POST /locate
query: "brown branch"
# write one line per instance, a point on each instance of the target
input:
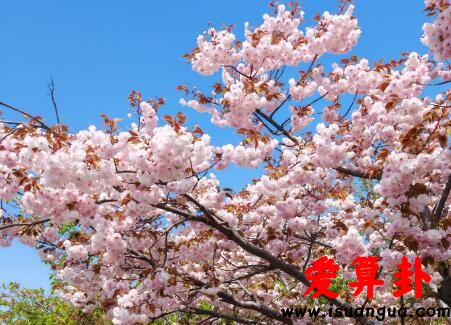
(168, 208)
(51, 86)
(444, 291)
(12, 122)
(309, 254)
(31, 117)
(198, 311)
(14, 129)
(435, 84)
(205, 210)
(356, 173)
(350, 106)
(309, 240)
(267, 126)
(298, 83)
(274, 261)
(142, 257)
(228, 298)
(166, 240)
(215, 314)
(438, 210)
(287, 98)
(24, 224)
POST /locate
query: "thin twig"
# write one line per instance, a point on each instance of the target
(350, 106)
(277, 126)
(51, 86)
(31, 117)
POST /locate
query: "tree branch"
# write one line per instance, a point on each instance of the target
(31, 117)
(356, 173)
(51, 86)
(274, 261)
(24, 224)
(226, 297)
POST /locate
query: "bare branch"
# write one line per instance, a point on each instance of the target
(438, 210)
(51, 86)
(238, 71)
(276, 125)
(24, 224)
(142, 257)
(31, 117)
(350, 106)
(356, 173)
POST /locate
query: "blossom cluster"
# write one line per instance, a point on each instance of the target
(436, 35)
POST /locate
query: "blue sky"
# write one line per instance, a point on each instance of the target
(97, 51)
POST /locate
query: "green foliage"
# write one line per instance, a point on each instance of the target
(21, 306)
(67, 228)
(339, 285)
(364, 190)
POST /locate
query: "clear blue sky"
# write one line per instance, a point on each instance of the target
(97, 51)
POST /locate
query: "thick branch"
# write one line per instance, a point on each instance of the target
(438, 210)
(142, 257)
(238, 71)
(444, 291)
(350, 106)
(356, 173)
(276, 125)
(262, 309)
(274, 261)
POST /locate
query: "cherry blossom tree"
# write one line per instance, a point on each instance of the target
(356, 163)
